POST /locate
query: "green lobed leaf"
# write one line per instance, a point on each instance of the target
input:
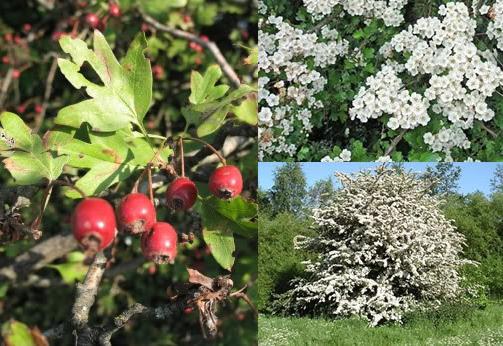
(17, 334)
(213, 122)
(73, 269)
(221, 244)
(247, 111)
(126, 93)
(15, 133)
(203, 87)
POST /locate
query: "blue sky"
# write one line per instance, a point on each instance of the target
(474, 176)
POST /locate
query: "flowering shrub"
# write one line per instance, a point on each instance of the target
(356, 76)
(383, 247)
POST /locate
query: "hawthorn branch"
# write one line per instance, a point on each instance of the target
(38, 256)
(395, 142)
(5, 86)
(86, 295)
(209, 45)
(47, 94)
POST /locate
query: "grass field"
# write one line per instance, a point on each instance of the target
(476, 327)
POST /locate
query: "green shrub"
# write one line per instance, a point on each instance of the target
(480, 219)
(278, 261)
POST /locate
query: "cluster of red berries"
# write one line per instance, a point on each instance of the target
(94, 220)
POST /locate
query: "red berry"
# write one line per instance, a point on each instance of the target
(21, 108)
(158, 71)
(17, 39)
(187, 19)
(136, 213)
(145, 27)
(93, 224)
(26, 27)
(204, 38)
(188, 310)
(114, 10)
(195, 47)
(82, 4)
(92, 20)
(226, 182)
(38, 108)
(181, 194)
(159, 244)
(56, 35)
(5, 60)
(8, 37)
(16, 73)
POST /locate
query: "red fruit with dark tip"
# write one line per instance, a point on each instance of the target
(136, 214)
(226, 182)
(93, 224)
(114, 10)
(16, 73)
(181, 194)
(159, 244)
(92, 20)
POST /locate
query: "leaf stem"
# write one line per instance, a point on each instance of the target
(181, 157)
(70, 185)
(220, 157)
(149, 177)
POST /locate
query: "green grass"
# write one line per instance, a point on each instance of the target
(476, 327)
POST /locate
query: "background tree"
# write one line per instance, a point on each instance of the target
(320, 193)
(446, 176)
(289, 190)
(497, 179)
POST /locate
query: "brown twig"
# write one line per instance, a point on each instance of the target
(48, 90)
(395, 142)
(209, 45)
(488, 130)
(38, 256)
(182, 160)
(5, 86)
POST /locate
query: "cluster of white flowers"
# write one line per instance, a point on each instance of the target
(385, 94)
(461, 77)
(344, 156)
(287, 93)
(388, 11)
(383, 247)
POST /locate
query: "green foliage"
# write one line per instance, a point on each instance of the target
(102, 103)
(16, 333)
(479, 219)
(455, 325)
(289, 189)
(444, 176)
(278, 261)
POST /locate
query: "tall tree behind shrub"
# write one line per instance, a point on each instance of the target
(289, 190)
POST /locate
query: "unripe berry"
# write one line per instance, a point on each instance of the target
(92, 20)
(114, 10)
(226, 182)
(159, 244)
(136, 213)
(181, 194)
(93, 224)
